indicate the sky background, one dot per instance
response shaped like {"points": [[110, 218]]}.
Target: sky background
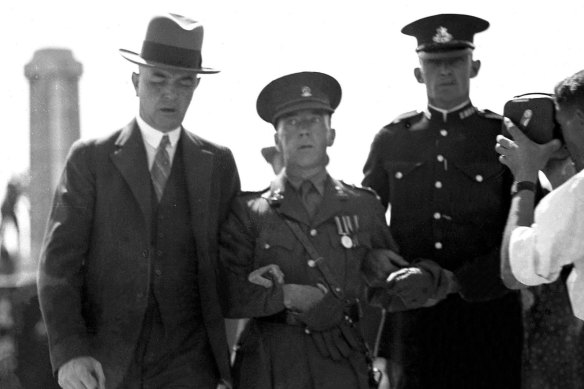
{"points": [[528, 48]]}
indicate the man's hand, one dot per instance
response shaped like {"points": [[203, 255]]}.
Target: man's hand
{"points": [[81, 373], [413, 285], [523, 156], [379, 264], [300, 298], [266, 275]]}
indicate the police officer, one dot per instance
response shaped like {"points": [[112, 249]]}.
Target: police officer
{"points": [[291, 255], [449, 199]]}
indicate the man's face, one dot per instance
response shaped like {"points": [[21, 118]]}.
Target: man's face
{"points": [[571, 120], [302, 137], [447, 77], [164, 96]]}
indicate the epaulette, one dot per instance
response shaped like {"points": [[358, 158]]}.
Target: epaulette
{"points": [[405, 116], [365, 189], [490, 114]]}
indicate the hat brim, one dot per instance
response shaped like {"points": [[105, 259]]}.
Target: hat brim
{"points": [[137, 59], [299, 105]]}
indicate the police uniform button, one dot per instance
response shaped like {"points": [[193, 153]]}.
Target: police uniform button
{"points": [[437, 215], [307, 331], [399, 175], [443, 132], [438, 184], [313, 232], [479, 178], [267, 246], [440, 157], [337, 289], [438, 245], [311, 263]]}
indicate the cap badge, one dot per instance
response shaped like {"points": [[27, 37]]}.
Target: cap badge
{"points": [[442, 35], [306, 92]]}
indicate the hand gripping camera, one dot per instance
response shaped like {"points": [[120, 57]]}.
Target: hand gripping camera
{"points": [[535, 115]]}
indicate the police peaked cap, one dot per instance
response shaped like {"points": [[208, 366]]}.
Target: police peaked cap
{"points": [[445, 32]]}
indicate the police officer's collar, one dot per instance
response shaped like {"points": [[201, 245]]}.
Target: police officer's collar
{"points": [[461, 111]]}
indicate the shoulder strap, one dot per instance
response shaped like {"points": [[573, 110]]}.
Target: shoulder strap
{"points": [[328, 276]]}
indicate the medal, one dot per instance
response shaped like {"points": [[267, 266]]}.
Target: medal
{"points": [[346, 241], [345, 228]]}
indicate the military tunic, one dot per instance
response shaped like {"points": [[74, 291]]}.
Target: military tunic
{"points": [[449, 199], [273, 353]]}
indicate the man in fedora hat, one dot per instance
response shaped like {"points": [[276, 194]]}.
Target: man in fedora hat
{"points": [[292, 256], [127, 274], [449, 199]]}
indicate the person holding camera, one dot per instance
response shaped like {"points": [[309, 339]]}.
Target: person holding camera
{"points": [[540, 241], [449, 200]]}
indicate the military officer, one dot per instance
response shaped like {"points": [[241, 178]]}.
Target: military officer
{"points": [[291, 255], [449, 199]]}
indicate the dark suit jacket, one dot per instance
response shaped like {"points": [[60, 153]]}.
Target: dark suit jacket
{"points": [[94, 268]]}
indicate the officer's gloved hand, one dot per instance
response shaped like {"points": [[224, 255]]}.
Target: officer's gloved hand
{"points": [[378, 264], [420, 285], [266, 276], [301, 298]]}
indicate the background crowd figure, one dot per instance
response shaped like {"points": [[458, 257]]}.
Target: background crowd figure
{"points": [[444, 301]]}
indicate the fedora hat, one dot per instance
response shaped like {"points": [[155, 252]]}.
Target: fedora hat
{"points": [[172, 42]]}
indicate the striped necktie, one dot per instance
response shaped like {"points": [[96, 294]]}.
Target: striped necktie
{"points": [[161, 167]]}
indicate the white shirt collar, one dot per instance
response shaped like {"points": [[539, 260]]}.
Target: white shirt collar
{"points": [[152, 136]]}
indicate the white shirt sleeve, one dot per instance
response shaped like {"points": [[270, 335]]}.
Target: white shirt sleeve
{"points": [[538, 253]]}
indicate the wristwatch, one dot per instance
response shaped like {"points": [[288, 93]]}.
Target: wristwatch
{"points": [[522, 185]]}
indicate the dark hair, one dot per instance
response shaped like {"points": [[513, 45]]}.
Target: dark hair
{"points": [[570, 91]]}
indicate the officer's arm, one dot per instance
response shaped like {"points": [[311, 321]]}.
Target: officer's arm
{"points": [[375, 176], [240, 297]]}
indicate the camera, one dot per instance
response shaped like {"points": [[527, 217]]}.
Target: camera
{"points": [[535, 115]]}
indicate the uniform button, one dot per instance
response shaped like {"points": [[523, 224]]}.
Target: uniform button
{"points": [[307, 331], [139, 295], [443, 132], [399, 175], [479, 178], [145, 253], [313, 232], [159, 253], [438, 184], [311, 263], [267, 246], [437, 215], [161, 235], [438, 245], [440, 157], [158, 272], [338, 290]]}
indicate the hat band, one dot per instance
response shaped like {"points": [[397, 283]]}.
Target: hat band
{"points": [[171, 55]]}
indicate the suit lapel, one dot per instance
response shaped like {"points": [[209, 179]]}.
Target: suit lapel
{"points": [[130, 159], [199, 171]]}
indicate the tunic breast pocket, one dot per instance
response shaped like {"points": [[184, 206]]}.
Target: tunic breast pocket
{"points": [[276, 246], [482, 189]]}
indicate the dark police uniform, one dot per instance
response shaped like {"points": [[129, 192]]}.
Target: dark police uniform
{"points": [[276, 350], [449, 199]]}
